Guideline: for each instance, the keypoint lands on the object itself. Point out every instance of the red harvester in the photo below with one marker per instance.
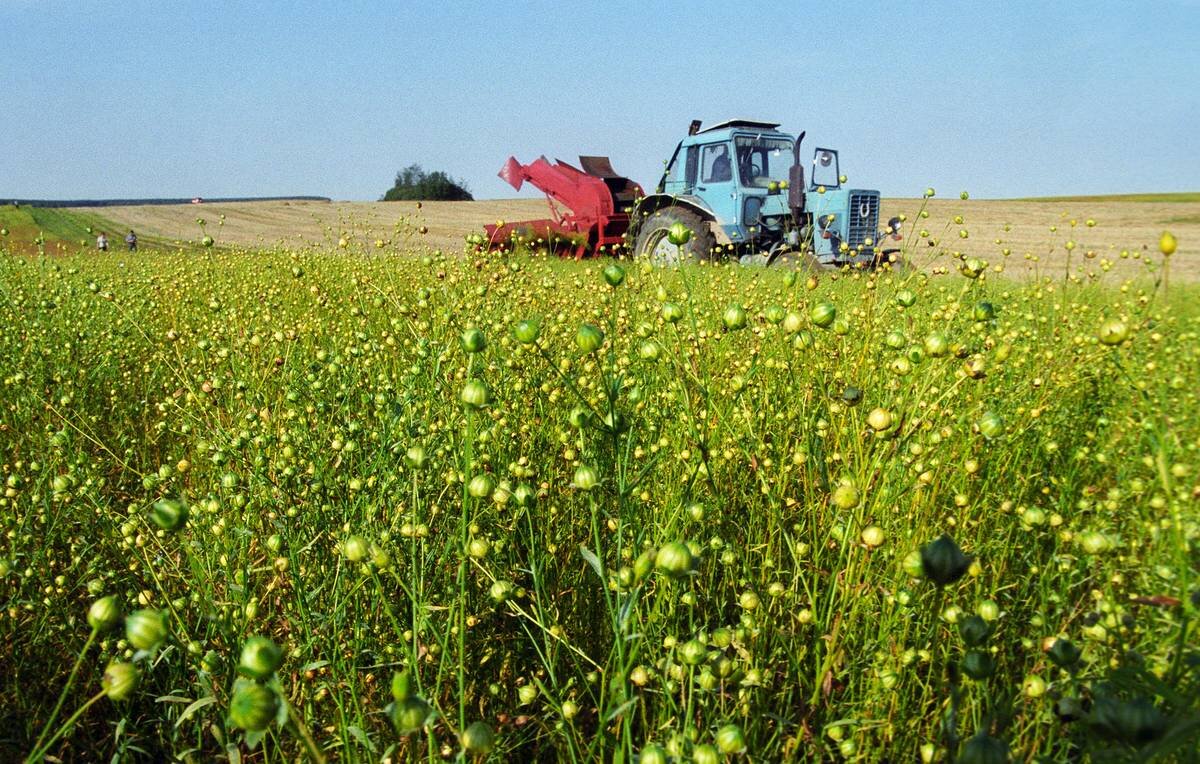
(598, 204)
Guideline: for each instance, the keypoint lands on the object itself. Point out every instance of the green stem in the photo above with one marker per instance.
(38, 753)
(62, 696)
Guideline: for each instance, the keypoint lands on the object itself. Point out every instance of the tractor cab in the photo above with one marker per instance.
(746, 179)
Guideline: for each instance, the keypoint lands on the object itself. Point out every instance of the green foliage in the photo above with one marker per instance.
(414, 184)
(691, 534)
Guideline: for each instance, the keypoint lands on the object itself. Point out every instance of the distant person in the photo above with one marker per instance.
(102, 242)
(131, 240)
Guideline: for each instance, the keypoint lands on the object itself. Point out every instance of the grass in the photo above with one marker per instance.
(60, 231)
(525, 509)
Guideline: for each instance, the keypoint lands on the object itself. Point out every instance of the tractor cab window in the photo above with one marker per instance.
(762, 160)
(825, 169)
(715, 164)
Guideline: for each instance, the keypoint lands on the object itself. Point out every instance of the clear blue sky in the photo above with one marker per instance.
(216, 98)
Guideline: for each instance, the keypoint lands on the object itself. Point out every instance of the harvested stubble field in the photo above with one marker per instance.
(265, 501)
(1028, 229)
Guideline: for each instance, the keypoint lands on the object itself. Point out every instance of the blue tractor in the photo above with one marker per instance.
(740, 187)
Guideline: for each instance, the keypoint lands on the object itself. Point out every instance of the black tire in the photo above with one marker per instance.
(652, 242)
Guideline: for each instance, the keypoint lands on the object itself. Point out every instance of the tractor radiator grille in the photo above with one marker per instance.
(864, 217)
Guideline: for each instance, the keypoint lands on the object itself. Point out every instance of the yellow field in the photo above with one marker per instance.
(1035, 233)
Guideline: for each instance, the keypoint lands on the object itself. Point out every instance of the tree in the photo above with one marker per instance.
(414, 184)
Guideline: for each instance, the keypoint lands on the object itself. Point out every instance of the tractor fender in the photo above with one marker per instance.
(654, 202)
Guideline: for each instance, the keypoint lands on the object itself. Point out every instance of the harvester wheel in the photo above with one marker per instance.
(653, 240)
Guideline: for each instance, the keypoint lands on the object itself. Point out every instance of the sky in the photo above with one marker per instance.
(215, 98)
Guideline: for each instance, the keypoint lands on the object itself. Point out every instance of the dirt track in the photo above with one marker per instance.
(1119, 225)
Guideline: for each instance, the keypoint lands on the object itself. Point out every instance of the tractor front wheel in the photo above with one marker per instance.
(654, 242)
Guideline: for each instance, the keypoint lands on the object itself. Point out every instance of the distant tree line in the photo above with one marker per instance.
(414, 184)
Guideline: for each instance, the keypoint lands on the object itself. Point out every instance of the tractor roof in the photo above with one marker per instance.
(751, 123)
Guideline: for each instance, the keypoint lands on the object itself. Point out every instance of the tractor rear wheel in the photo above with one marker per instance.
(653, 239)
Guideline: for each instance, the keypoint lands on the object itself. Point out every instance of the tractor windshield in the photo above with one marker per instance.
(762, 159)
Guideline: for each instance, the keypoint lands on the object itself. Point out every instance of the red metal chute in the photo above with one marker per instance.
(598, 205)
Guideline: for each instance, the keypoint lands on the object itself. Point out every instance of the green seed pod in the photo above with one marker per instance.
(527, 693)
(588, 339)
(1094, 542)
(895, 340)
(473, 341)
(879, 419)
(524, 496)
(1033, 686)
(671, 312)
(643, 564)
(734, 318)
(401, 686)
(652, 754)
(774, 315)
(991, 425)
(943, 562)
(693, 652)
(586, 477)
(145, 629)
(207, 241)
(984, 311)
(120, 680)
(978, 664)
(972, 267)
(478, 738)
(974, 630)
(415, 457)
(475, 394)
(527, 331)
(679, 234)
(614, 275)
(730, 739)
(501, 591)
(212, 662)
(481, 486)
(913, 566)
(988, 610)
(1113, 332)
(845, 496)
(906, 298)
(649, 350)
(356, 548)
(984, 749)
(674, 559)
(104, 614)
(410, 715)
(253, 707)
(823, 314)
(936, 345)
(169, 514)
(793, 323)
(260, 658)
(1063, 653)
(705, 754)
